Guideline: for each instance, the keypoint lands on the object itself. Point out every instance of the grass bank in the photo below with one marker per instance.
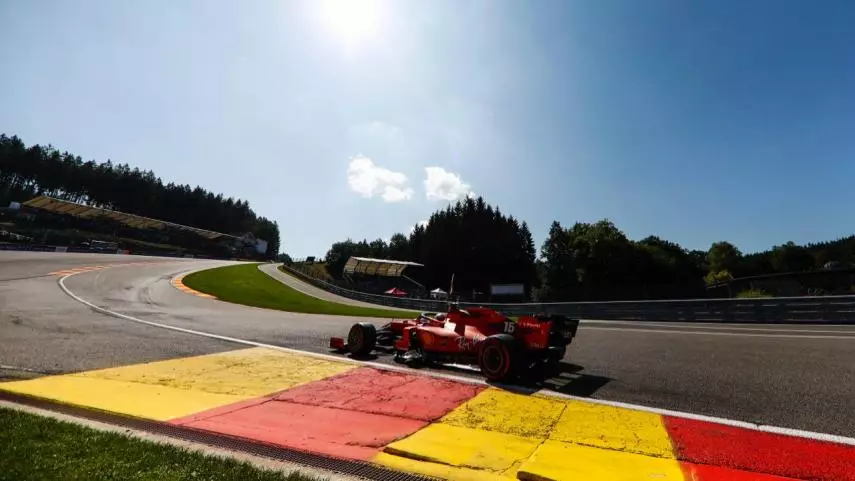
(245, 284)
(36, 448)
(316, 270)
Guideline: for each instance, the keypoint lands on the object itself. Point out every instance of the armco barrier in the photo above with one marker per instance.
(819, 309)
(27, 247)
(83, 250)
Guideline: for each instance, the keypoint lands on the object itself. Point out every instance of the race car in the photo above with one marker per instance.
(502, 348)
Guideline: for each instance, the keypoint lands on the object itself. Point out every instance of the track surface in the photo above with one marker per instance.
(799, 377)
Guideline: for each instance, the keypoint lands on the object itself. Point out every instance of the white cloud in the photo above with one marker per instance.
(396, 194)
(443, 185)
(369, 180)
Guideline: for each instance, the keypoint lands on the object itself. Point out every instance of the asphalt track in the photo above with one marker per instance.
(800, 377)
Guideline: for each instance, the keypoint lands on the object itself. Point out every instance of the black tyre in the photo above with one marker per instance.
(362, 338)
(499, 357)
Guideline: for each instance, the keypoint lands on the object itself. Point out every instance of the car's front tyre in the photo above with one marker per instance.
(362, 338)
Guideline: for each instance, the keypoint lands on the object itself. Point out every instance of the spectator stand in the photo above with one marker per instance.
(177, 239)
(379, 276)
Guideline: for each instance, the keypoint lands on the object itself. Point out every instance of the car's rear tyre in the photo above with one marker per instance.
(362, 338)
(499, 357)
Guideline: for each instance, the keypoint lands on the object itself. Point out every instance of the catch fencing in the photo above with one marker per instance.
(769, 310)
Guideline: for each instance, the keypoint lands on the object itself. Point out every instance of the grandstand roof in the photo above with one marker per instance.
(79, 210)
(377, 267)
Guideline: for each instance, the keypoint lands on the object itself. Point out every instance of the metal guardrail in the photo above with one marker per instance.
(83, 250)
(770, 310)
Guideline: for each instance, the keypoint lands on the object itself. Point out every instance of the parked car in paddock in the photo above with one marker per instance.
(501, 347)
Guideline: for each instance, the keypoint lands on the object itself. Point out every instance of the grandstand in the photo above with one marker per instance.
(381, 275)
(373, 276)
(144, 233)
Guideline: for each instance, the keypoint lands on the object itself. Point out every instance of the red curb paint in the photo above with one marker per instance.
(219, 411)
(700, 472)
(390, 393)
(333, 432)
(738, 448)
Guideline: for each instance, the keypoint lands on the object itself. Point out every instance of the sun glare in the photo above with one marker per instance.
(353, 22)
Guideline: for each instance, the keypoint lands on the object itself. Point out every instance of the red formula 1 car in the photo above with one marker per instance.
(501, 347)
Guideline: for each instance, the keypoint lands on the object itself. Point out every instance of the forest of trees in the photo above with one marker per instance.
(587, 261)
(470, 239)
(596, 261)
(26, 172)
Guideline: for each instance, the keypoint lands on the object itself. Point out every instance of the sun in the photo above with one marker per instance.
(352, 22)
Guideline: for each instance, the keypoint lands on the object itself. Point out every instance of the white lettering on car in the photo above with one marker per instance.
(469, 344)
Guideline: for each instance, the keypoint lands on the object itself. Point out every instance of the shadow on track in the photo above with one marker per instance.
(570, 380)
(567, 378)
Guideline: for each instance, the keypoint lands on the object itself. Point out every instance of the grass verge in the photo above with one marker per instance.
(316, 270)
(245, 284)
(36, 448)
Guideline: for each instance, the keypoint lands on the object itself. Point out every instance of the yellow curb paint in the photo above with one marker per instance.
(249, 372)
(178, 283)
(463, 447)
(174, 388)
(69, 271)
(436, 470)
(496, 431)
(135, 399)
(506, 412)
(79, 270)
(613, 428)
(557, 461)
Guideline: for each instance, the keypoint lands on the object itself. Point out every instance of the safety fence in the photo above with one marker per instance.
(84, 250)
(816, 309)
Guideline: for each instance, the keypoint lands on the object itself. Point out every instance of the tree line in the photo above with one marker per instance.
(27, 172)
(471, 240)
(584, 262)
(728, 262)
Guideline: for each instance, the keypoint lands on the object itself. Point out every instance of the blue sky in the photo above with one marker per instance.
(694, 121)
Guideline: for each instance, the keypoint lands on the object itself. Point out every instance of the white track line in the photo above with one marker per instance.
(732, 334)
(730, 422)
(22, 369)
(678, 326)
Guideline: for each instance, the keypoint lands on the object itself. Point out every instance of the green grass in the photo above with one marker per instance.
(245, 284)
(317, 270)
(37, 448)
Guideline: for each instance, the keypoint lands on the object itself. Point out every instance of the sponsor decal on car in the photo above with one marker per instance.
(470, 344)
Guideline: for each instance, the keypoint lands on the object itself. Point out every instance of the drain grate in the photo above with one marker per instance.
(343, 466)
